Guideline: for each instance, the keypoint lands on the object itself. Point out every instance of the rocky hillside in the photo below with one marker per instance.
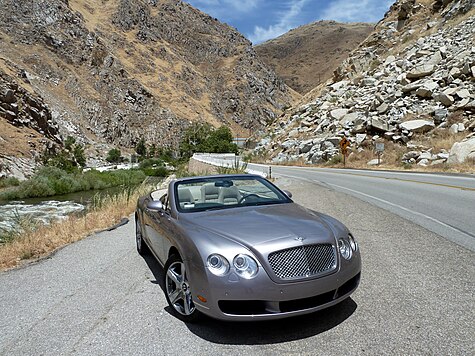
(307, 56)
(112, 72)
(410, 84)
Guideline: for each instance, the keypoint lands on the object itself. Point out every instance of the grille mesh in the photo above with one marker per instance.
(303, 261)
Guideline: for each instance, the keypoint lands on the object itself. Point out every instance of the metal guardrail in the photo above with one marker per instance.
(225, 160)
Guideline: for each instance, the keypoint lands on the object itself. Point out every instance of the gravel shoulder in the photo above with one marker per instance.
(98, 296)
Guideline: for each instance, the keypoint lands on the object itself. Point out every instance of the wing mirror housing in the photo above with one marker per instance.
(155, 205)
(289, 194)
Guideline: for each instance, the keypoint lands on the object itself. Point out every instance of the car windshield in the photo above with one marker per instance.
(202, 194)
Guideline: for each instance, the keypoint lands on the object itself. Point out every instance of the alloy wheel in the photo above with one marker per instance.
(178, 289)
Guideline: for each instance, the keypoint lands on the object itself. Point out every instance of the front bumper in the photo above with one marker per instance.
(232, 298)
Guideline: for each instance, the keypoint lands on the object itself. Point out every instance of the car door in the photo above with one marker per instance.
(154, 228)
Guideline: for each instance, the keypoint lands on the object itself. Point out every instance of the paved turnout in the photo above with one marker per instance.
(99, 297)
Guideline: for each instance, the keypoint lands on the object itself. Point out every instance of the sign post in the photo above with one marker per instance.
(379, 151)
(344, 145)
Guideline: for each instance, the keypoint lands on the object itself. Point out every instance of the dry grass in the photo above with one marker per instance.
(391, 159)
(35, 243)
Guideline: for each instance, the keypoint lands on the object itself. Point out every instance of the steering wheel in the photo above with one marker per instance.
(247, 196)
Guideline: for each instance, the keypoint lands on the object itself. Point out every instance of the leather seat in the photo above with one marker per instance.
(230, 195)
(185, 196)
(209, 193)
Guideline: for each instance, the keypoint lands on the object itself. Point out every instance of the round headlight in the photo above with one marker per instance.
(218, 264)
(353, 243)
(245, 266)
(345, 249)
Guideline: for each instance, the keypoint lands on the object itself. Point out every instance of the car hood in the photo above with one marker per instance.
(265, 228)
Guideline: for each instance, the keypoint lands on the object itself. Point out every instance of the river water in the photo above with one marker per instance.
(46, 210)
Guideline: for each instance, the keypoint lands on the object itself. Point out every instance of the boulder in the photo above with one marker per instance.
(374, 162)
(289, 144)
(461, 151)
(454, 129)
(305, 146)
(411, 155)
(425, 156)
(8, 96)
(463, 93)
(338, 114)
(369, 82)
(380, 125)
(421, 71)
(360, 138)
(339, 85)
(335, 141)
(390, 59)
(381, 109)
(349, 118)
(435, 59)
(417, 125)
(440, 115)
(445, 99)
(427, 89)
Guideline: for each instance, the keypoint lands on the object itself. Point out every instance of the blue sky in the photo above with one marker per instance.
(260, 20)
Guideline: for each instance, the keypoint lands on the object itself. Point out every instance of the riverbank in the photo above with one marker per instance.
(50, 181)
(30, 241)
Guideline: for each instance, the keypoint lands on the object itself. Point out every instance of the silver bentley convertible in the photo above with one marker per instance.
(236, 247)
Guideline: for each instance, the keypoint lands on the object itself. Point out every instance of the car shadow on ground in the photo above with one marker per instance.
(262, 332)
(273, 332)
(156, 269)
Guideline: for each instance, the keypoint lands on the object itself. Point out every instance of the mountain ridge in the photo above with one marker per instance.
(111, 73)
(307, 55)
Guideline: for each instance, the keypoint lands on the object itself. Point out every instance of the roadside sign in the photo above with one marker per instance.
(379, 148)
(344, 144)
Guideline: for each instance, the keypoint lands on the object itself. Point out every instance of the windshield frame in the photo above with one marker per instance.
(282, 196)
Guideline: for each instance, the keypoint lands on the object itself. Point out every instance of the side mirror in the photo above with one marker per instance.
(289, 194)
(155, 205)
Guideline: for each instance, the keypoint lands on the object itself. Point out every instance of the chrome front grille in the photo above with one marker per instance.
(303, 261)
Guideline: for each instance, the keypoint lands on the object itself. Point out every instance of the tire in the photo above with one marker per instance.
(142, 247)
(178, 292)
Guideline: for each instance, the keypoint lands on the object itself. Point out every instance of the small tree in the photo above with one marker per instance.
(114, 156)
(69, 159)
(202, 137)
(152, 151)
(78, 155)
(141, 149)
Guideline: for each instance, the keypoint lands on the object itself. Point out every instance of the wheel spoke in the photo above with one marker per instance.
(175, 296)
(187, 303)
(175, 277)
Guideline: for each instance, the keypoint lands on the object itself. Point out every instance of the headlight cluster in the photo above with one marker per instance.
(218, 264)
(244, 265)
(347, 246)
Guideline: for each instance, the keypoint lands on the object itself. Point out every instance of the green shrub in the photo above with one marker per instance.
(155, 172)
(38, 186)
(150, 162)
(9, 182)
(335, 160)
(114, 156)
(50, 181)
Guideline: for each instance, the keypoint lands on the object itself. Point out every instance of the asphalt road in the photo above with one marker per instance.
(99, 297)
(444, 204)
